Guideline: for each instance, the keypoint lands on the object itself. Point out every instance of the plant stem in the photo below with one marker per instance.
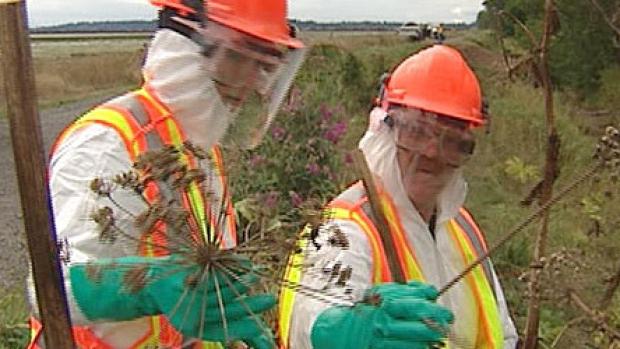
(551, 165)
(611, 290)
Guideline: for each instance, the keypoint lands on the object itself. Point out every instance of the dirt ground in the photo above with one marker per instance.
(13, 248)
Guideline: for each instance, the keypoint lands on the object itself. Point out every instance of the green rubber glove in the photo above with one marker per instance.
(396, 319)
(106, 295)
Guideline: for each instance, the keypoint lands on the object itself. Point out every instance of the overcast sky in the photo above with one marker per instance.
(50, 12)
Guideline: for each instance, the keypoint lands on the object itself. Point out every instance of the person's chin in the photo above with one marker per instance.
(426, 182)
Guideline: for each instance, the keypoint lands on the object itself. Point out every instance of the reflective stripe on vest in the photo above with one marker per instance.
(292, 277)
(353, 205)
(490, 332)
(134, 117)
(84, 337)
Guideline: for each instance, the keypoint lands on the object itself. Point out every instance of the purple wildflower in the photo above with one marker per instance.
(256, 160)
(296, 199)
(335, 132)
(270, 199)
(313, 168)
(326, 113)
(348, 158)
(278, 133)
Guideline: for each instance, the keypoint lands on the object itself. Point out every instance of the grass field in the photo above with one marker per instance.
(506, 166)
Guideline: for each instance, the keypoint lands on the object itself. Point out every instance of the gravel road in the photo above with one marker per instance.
(13, 249)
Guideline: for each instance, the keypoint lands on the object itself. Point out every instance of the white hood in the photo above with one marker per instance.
(175, 69)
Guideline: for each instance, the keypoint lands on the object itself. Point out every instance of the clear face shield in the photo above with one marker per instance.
(450, 141)
(251, 75)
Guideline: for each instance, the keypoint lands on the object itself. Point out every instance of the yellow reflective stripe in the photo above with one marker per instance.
(292, 276)
(160, 108)
(121, 124)
(492, 335)
(218, 159)
(196, 201)
(152, 340)
(110, 116)
(33, 337)
(119, 121)
(411, 267)
(375, 246)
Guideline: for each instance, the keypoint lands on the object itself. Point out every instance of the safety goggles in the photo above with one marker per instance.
(252, 76)
(416, 130)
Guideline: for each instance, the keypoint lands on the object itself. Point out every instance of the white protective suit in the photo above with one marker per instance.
(438, 259)
(175, 70)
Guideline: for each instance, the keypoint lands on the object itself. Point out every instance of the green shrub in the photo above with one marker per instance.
(14, 332)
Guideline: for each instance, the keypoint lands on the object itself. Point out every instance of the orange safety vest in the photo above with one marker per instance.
(353, 205)
(144, 123)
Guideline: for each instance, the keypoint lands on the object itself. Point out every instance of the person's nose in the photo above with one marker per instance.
(431, 148)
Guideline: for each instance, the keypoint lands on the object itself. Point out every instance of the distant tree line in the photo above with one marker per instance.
(584, 41)
(94, 27)
(149, 26)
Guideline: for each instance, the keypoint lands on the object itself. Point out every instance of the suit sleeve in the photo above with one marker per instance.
(320, 281)
(90, 152)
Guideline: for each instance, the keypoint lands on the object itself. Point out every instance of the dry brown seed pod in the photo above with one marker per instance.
(104, 218)
(135, 278)
(100, 187)
(94, 272)
(338, 238)
(345, 276)
(336, 270)
(96, 184)
(612, 131)
(373, 299)
(192, 280)
(195, 150)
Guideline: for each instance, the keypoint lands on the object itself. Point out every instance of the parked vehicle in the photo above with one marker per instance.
(414, 31)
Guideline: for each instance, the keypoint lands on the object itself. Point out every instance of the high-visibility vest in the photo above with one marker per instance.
(144, 123)
(353, 205)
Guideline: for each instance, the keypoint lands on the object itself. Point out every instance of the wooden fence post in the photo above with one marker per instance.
(31, 173)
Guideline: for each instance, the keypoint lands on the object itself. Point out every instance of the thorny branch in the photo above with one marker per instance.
(571, 323)
(550, 174)
(609, 21)
(500, 39)
(614, 284)
(598, 317)
(523, 27)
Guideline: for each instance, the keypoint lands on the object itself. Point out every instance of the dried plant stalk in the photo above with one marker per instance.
(196, 243)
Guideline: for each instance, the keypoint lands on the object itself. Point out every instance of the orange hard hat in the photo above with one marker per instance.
(265, 19)
(439, 80)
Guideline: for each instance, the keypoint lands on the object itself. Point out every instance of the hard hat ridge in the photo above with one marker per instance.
(437, 79)
(264, 19)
